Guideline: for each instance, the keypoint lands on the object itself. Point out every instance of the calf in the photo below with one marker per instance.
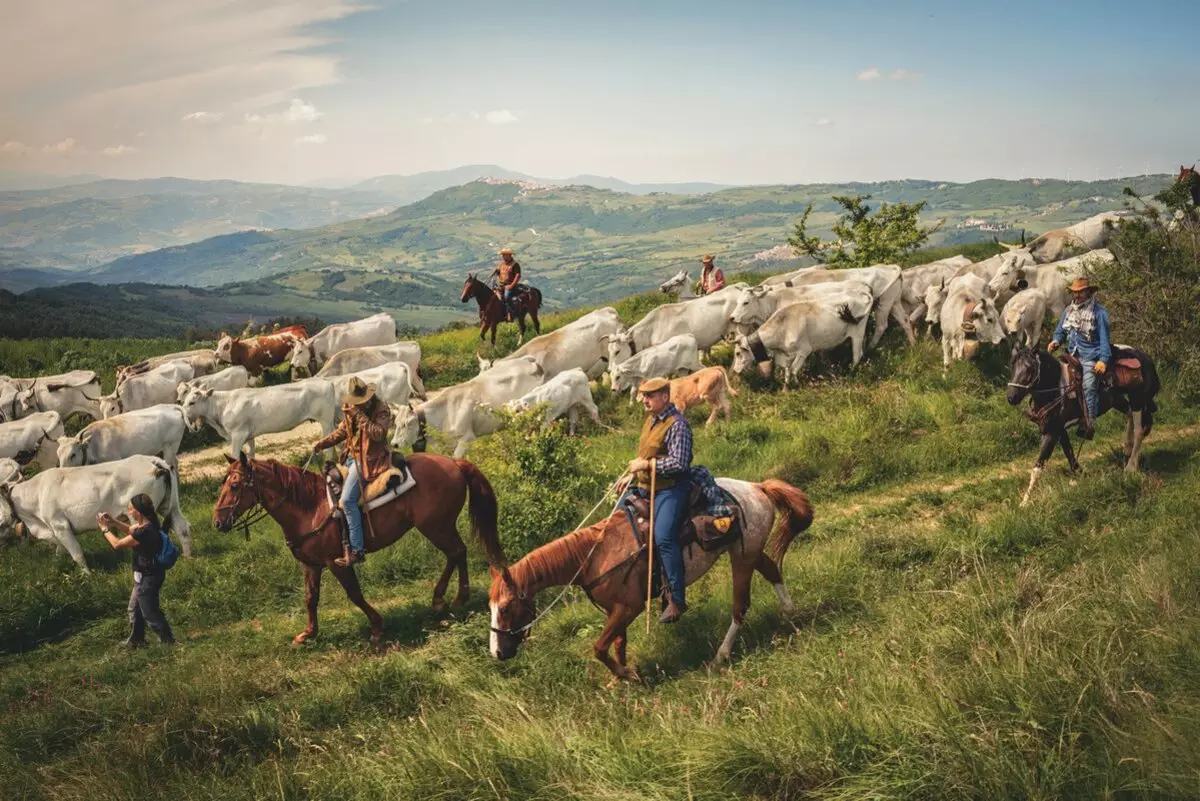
(678, 354)
(565, 393)
(154, 431)
(239, 415)
(797, 330)
(160, 385)
(31, 438)
(1024, 315)
(57, 503)
(710, 385)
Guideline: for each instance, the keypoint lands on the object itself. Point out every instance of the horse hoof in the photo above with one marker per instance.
(1131, 468)
(303, 637)
(439, 604)
(376, 635)
(723, 657)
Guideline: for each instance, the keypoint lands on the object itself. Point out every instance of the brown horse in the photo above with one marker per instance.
(492, 310)
(296, 499)
(1191, 179)
(605, 560)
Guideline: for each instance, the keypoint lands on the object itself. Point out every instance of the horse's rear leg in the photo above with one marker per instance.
(349, 581)
(312, 596)
(1135, 455)
(521, 326)
(770, 571)
(449, 543)
(614, 633)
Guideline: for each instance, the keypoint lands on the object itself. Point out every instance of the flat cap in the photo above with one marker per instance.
(654, 385)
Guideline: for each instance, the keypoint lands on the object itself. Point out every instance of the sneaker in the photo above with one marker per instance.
(131, 644)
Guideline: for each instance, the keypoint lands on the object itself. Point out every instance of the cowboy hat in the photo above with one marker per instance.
(654, 385)
(506, 251)
(707, 260)
(358, 393)
(1081, 285)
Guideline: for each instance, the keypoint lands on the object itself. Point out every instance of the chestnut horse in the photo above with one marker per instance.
(492, 309)
(1190, 178)
(296, 499)
(604, 559)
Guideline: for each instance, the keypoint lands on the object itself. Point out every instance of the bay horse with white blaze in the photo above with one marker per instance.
(296, 499)
(492, 310)
(1039, 376)
(605, 560)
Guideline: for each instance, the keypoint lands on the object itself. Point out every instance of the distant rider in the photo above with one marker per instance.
(711, 277)
(1084, 328)
(364, 427)
(666, 438)
(508, 275)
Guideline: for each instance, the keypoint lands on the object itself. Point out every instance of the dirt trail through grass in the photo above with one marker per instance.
(210, 462)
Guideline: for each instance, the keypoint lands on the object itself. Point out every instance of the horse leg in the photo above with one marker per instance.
(742, 573)
(1128, 449)
(770, 571)
(521, 328)
(614, 628)
(349, 581)
(312, 596)
(1069, 450)
(1132, 465)
(446, 540)
(1048, 442)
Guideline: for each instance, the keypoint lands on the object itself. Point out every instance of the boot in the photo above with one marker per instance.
(132, 644)
(349, 557)
(673, 611)
(1086, 431)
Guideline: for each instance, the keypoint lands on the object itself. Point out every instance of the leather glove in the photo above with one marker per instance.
(1101, 368)
(1053, 346)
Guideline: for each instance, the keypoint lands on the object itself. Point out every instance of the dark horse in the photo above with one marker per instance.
(1038, 375)
(491, 307)
(296, 499)
(1191, 179)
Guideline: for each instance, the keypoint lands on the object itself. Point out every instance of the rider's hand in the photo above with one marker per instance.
(637, 465)
(1100, 368)
(316, 449)
(1053, 346)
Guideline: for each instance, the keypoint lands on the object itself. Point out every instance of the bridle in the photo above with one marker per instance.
(250, 516)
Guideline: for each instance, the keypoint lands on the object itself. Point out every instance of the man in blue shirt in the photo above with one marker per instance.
(1084, 329)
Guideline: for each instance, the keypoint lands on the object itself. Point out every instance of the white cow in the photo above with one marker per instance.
(706, 318)
(354, 359)
(10, 471)
(968, 314)
(1024, 315)
(57, 503)
(1091, 234)
(756, 304)
(464, 411)
(916, 280)
(31, 438)
(886, 287)
(393, 382)
(565, 393)
(678, 356)
(795, 331)
(202, 362)
(236, 377)
(239, 415)
(154, 431)
(1054, 278)
(160, 385)
(66, 393)
(784, 278)
(310, 354)
(578, 344)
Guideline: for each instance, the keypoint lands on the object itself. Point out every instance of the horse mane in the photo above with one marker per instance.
(549, 560)
(295, 484)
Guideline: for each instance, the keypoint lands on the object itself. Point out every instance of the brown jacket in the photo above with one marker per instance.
(365, 435)
(508, 274)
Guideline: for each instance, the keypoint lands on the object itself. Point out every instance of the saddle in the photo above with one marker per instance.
(710, 533)
(384, 488)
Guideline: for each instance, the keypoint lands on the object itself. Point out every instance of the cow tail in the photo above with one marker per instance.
(173, 520)
(847, 315)
(797, 515)
(483, 512)
(728, 387)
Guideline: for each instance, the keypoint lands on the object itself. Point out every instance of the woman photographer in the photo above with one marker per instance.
(145, 537)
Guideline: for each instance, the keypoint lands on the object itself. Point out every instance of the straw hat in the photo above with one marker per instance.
(654, 385)
(1081, 284)
(707, 260)
(358, 393)
(506, 251)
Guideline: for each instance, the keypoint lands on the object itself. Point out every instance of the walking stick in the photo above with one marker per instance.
(650, 560)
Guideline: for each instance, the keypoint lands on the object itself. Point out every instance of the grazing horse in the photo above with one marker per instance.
(1191, 179)
(606, 561)
(1038, 375)
(296, 499)
(492, 310)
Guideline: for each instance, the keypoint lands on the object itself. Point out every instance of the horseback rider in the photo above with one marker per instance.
(711, 277)
(508, 275)
(667, 439)
(364, 426)
(1084, 328)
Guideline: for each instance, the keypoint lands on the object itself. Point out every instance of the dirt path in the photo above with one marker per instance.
(210, 462)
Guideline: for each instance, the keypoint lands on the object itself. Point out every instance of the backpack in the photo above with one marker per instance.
(168, 555)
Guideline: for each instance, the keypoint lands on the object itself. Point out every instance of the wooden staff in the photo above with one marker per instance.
(650, 561)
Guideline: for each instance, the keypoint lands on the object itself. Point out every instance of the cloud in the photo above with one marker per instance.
(500, 117)
(869, 74)
(905, 75)
(300, 111)
(12, 146)
(203, 116)
(312, 139)
(119, 150)
(61, 147)
(824, 121)
(426, 120)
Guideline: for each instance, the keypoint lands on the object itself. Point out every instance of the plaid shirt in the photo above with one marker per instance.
(678, 442)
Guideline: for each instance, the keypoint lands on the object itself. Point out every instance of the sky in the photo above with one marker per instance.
(295, 91)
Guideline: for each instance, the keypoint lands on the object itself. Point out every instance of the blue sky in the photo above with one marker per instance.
(659, 90)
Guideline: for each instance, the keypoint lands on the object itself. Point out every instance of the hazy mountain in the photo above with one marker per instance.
(617, 185)
(12, 180)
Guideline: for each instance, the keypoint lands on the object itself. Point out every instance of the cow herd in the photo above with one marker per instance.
(134, 442)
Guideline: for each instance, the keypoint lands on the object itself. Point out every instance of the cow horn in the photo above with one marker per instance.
(1022, 237)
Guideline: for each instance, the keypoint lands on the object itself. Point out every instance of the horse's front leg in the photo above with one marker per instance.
(742, 573)
(349, 581)
(1069, 450)
(614, 631)
(521, 326)
(1047, 448)
(312, 596)
(1135, 453)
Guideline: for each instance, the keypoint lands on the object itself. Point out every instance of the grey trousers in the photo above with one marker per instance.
(144, 608)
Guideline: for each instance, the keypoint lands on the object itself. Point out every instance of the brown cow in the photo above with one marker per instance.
(257, 353)
(707, 385)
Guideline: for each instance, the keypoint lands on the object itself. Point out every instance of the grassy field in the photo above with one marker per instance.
(946, 643)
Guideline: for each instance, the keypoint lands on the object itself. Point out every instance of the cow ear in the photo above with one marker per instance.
(229, 458)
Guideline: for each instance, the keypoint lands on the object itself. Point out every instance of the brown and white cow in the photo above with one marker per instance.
(258, 353)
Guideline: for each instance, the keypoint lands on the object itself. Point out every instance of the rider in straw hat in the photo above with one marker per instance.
(508, 275)
(666, 438)
(711, 277)
(1084, 328)
(364, 427)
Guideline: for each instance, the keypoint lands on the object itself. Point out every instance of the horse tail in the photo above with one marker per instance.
(483, 512)
(798, 515)
(1151, 386)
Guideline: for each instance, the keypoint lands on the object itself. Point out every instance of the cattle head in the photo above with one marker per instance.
(237, 495)
(484, 364)
(935, 296)
(985, 320)
(110, 405)
(72, 451)
(224, 349)
(512, 615)
(303, 359)
(620, 346)
(751, 308)
(195, 404)
(675, 283)
(408, 432)
(1012, 265)
(623, 379)
(743, 358)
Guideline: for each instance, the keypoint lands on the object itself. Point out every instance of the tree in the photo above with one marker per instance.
(864, 237)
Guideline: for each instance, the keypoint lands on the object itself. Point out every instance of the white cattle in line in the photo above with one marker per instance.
(309, 355)
(66, 393)
(1090, 234)
(681, 284)
(239, 415)
(393, 382)
(565, 393)
(1024, 315)
(916, 280)
(999, 273)
(797, 330)
(968, 313)
(1054, 278)
(154, 431)
(31, 438)
(202, 361)
(886, 287)
(160, 385)
(678, 356)
(10, 471)
(236, 377)
(706, 318)
(756, 304)
(353, 360)
(578, 344)
(783, 278)
(464, 411)
(57, 503)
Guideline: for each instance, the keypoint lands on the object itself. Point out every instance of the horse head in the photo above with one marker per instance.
(238, 493)
(1026, 369)
(512, 615)
(468, 288)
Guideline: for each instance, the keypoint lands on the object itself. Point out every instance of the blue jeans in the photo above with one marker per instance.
(670, 506)
(350, 495)
(1091, 389)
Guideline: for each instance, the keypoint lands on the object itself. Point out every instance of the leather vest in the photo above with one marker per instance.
(653, 445)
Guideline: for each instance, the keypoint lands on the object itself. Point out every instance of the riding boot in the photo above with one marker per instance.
(673, 611)
(349, 557)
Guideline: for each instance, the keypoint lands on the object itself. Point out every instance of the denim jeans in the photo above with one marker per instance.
(670, 506)
(1091, 389)
(351, 492)
(144, 608)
